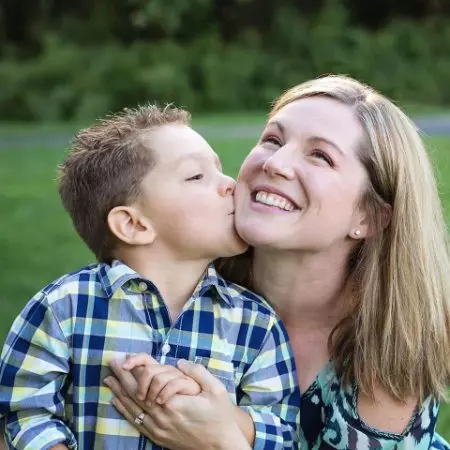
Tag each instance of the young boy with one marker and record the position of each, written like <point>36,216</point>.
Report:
<point>147,195</point>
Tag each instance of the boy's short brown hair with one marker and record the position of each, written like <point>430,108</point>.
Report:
<point>105,167</point>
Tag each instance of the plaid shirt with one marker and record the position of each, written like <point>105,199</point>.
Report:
<point>56,354</point>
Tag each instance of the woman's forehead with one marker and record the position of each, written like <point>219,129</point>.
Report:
<point>321,117</point>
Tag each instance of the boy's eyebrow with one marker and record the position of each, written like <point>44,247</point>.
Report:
<point>198,156</point>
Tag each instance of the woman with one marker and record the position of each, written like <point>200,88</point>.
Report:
<point>339,204</point>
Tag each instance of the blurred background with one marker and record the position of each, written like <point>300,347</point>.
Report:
<point>64,63</point>
<point>65,60</point>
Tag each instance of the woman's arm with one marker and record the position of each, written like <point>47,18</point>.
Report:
<point>207,420</point>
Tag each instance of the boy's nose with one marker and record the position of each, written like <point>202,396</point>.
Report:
<point>227,186</point>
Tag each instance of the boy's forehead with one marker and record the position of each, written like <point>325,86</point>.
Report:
<point>176,142</point>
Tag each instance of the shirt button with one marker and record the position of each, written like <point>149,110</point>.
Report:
<point>165,349</point>
<point>142,286</point>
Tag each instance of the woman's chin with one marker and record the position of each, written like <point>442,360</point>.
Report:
<point>255,235</point>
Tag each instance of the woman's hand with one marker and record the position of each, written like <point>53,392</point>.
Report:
<point>207,420</point>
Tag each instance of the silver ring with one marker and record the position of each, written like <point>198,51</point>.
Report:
<point>139,419</point>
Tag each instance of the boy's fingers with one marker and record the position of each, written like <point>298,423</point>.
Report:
<point>141,359</point>
<point>148,384</point>
<point>207,381</point>
<point>144,381</point>
<point>158,383</point>
<point>138,371</point>
<point>146,377</point>
<point>182,386</point>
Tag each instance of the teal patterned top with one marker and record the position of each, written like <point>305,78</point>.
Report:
<point>329,420</point>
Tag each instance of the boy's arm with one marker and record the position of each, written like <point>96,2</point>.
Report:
<point>269,392</point>
<point>246,425</point>
<point>33,369</point>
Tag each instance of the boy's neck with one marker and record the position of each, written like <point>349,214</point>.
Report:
<point>175,279</point>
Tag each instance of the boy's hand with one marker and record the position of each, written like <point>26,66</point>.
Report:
<point>158,382</point>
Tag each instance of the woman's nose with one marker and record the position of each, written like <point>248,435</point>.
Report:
<point>279,165</point>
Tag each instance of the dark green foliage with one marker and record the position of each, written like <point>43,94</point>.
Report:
<point>65,60</point>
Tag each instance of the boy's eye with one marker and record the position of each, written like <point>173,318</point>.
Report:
<point>199,176</point>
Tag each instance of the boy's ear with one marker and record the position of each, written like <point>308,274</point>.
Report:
<point>130,226</point>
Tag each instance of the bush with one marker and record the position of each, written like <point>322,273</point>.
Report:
<point>405,60</point>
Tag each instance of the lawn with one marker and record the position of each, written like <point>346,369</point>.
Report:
<point>37,243</point>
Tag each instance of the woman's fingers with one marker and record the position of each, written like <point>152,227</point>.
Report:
<point>207,381</point>
<point>184,422</point>
<point>128,409</point>
<point>130,416</point>
<point>121,394</point>
<point>115,386</point>
<point>125,378</point>
<point>153,419</point>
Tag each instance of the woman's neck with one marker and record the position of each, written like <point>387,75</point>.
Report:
<point>305,289</point>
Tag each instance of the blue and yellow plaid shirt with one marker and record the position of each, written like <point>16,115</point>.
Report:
<point>56,354</point>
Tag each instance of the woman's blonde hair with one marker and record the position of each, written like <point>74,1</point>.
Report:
<point>396,331</point>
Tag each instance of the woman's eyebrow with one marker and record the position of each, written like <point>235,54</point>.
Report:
<point>278,124</point>
<point>281,129</point>
<point>328,142</point>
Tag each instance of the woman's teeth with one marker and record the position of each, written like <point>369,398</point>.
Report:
<point>274,200</point>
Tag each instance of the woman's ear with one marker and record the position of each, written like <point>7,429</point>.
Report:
<point>386,215</point>
<point>363,226</point>
<point>129,225</point>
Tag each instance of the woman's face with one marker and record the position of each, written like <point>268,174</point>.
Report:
<point>299,188</point>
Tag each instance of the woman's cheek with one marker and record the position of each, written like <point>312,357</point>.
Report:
<point>252,163</point>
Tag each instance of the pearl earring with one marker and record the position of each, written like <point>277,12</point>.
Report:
<point>357,232</point>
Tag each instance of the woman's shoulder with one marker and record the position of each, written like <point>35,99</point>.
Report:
<point>439,443</point>
<point>340,426</point>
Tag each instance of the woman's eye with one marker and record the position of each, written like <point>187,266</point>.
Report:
<point>321,155</point>
<point>199,176</point>
<point>272,140</point>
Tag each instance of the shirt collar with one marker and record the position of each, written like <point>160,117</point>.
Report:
<point>116,275</point>
<point>212,279</point>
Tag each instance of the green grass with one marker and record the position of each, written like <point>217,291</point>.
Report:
<point>37,243</point>
<point>222,118</point>
<point>13,128</point>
